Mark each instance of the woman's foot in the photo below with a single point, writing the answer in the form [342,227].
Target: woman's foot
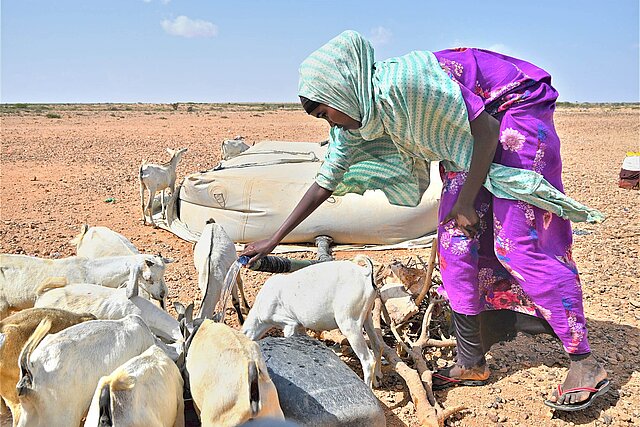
[459,375]
[586,373]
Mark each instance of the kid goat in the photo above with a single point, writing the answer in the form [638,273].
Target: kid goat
[144,391]
[156,178]
[107,304]
[60,372]
[15,330]
[230,384]
[321,297]
[100,242]
[213,255]
[21,276]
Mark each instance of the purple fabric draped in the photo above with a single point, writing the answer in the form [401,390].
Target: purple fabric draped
[521,259]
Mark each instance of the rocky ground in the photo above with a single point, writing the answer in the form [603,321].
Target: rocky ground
[65,165]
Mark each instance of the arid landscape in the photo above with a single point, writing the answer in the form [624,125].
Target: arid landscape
[69,164]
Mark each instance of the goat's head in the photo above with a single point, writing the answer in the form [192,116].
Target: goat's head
[176,154]
[152,276]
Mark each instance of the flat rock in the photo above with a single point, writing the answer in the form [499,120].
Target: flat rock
[315,387]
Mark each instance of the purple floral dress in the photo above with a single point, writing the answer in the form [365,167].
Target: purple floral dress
[521,259]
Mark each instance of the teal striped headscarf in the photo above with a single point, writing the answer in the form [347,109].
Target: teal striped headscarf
[339,74]
[412,113]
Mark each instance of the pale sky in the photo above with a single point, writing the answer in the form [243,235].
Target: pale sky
[83,51]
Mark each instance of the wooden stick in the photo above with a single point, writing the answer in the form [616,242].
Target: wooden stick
[432,262]
[425,412]
[435,415]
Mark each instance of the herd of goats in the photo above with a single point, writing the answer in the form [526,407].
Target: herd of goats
[86,340]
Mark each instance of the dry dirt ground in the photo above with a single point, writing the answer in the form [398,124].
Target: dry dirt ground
[61,163]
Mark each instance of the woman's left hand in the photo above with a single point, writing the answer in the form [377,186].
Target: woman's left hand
[465,218]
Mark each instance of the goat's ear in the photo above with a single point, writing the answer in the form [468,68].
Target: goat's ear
[25,384]
[178,307]
[168,260]
[132,284]
[180,360]
[188,313]
[183,328]
[170,151]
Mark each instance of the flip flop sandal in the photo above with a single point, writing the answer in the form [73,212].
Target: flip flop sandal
[451,382]
[601,388]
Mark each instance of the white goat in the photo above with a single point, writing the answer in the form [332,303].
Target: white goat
[21,275]
[100,242]
[144,391]
[15,330]
[155,178]
[321,297]
[213,254]
[107,304]
[58,377]
[228,378]
[233,147]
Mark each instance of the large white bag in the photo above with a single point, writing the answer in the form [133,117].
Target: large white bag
[251,194]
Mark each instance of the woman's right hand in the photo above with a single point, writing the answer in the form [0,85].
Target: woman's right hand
[314,196]
[257,250]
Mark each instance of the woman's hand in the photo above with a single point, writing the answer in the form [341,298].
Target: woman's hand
[257,250]
[313,198]
[465,218]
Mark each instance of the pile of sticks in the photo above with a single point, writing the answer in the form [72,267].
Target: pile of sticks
[411,344]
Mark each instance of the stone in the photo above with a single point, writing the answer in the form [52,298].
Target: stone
[398,302]
[316,388]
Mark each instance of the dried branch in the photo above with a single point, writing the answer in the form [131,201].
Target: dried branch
[432,262]
[420,382]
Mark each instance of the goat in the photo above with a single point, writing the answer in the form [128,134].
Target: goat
[100,242]
[107,304]
[233,147]
[60,372]
[144,391]
[21,275]
[213,255]
[237,369]
[15,330]
[156,178]
[324,296]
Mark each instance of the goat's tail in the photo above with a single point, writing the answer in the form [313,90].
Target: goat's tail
[51,283]
[105,419]
[118,380]
[363,260]
[76,240]
[26,376]
[121,380]
[254,388]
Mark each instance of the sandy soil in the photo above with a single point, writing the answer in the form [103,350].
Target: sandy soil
[57,173]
